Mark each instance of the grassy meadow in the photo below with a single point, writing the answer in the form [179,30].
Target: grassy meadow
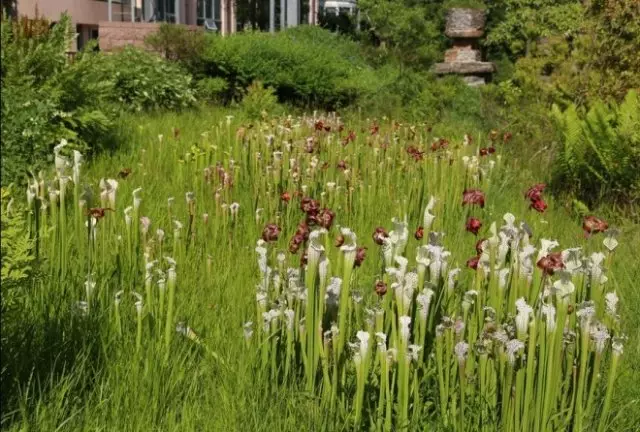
[161,253]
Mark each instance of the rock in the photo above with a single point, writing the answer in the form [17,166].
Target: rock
[465,23]
[465,68]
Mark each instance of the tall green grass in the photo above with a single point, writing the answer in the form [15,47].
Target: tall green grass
[102,365]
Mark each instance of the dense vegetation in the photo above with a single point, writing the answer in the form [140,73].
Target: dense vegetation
[123,308]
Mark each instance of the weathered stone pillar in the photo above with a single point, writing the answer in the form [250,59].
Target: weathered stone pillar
[465,27]
[224,18]
[313,12]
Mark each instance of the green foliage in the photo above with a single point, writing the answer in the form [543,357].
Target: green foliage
[214,90]
[45,97]
[593,58]
[307,66]
[408,30]
[180,44]
[16,256]
[600,152]
[144,81]
[515,25]
[471,4]
[259,101]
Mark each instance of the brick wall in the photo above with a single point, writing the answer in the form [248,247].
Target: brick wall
[116,35]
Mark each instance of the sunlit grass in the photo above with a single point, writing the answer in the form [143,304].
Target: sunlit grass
[121,369]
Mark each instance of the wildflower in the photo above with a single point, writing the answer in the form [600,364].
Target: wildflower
[473,196]
[419,233]
[332,296]
[522,317]
[294,244]
[405,322]
[472,263]
[617,346]
[549,311]
[424,301]
[550,263]
[461,349]
[270,232]
[325,218]
[513,346]
[539,205]
[585,313]
[484,151]
[315,249]
[473,225]
[610,241]
[428,217]
[309,206]
[491,150]
[600,335]
[285,197]
[594,225]
[534,193]
[127,215]
[380,288]
[361,254]
[611,301]
[145,223]
[379,235]
[303,230]
[137,200]
[234,207]
[507,137]
[467,140]
[342,165]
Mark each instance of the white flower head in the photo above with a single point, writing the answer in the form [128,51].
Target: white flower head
[247,329]
[424,301]
[234,207]
[611,299]
[363,337]
[513,347]
[413,352]
[428,216]
[549,311]
[405,323]
[137,199]
[610,241]
[461,349]
[600,335]
[315,249]
[522,317]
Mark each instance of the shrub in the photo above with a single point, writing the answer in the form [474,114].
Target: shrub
[306,66]
[259,101]
[144,81]
[214,90]
[46,98]
[600,151]
[180,44]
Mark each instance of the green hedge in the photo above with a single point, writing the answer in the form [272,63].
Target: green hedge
[307,66]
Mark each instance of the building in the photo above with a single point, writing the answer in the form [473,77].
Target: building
[120,22]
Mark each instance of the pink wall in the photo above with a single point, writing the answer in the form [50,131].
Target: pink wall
[81,11]
[93,11]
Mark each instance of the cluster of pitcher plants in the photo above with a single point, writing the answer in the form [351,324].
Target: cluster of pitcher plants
[385,325]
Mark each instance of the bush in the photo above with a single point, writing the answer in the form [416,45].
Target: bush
[259,101]
[214,90]
[144,81]
[600,151]
[46,98]
[180,44]
[307,66]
